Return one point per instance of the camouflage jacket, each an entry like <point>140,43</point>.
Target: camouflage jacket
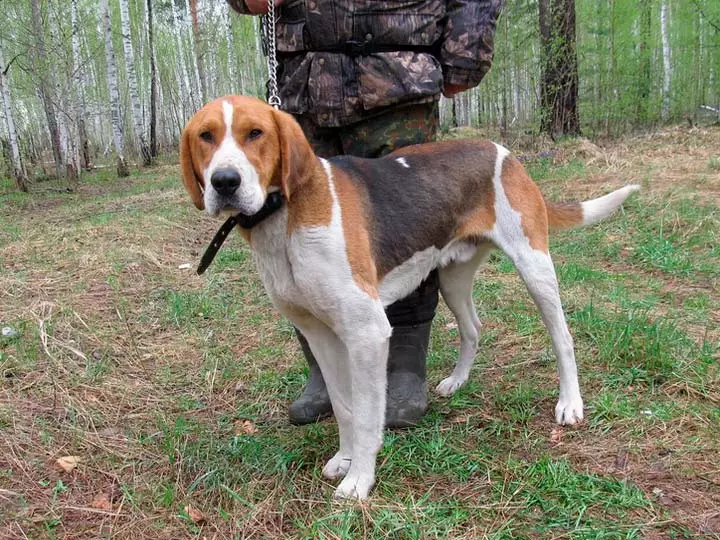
<point>341,61</point>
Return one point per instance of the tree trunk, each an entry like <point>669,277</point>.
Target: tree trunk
<point>116,119</point>
<point>666,60</point>
<point>645,51</point>
<point>559,84</point>
<point>186,92</point>
<point>153,83</point>
<point>79,84</point>
<point>69,153</point>
<point>18,170</point>
<point>132,83</point>
<point>199,55</point>
<point>40,64</point>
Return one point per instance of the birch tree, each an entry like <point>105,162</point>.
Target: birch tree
<point>666,61</point>
<point>133,84</point>
<point>198,50</point>
<point>18,170</point>
<point>79,90</point>
<point>40,72</point>
<point>153,81</point>
<point>115,116</point>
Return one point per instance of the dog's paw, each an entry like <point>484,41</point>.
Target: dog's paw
<point>337,467</point>
<point>355,487</point>
<point>449,386</point>
<point>569,411</point>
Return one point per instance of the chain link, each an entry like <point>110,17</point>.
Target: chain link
<point>268,30</point>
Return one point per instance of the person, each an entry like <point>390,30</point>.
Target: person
<point>363,78</point>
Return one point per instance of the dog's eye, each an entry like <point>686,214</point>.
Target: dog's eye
<point>206,136</point>
<point>254,134</point>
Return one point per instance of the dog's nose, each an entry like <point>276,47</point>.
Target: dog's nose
<point>225,181</point>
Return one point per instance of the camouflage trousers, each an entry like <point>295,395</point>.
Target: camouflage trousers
<point>375,136</point>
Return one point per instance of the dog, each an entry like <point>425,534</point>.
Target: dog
<point>354,235</point>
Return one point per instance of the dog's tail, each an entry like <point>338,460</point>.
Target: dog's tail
<point>566,215</point>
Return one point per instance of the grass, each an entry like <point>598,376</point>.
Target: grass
<point>172,389</point>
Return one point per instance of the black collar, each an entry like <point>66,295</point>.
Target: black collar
<point>272,204</point>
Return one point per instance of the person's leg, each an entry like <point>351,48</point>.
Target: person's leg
<point>411,317</point>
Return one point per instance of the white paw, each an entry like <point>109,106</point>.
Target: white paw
<point>336,467</point>
<point>355,486</point>
<point>449,386</point>
<point>569,411</point>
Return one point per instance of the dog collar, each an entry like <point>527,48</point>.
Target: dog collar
<point>272,204</point>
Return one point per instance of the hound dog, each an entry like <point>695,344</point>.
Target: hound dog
<point>354,235</point>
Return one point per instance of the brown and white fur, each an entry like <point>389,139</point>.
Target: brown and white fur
<point>355,235</point>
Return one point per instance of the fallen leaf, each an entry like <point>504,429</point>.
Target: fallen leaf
<point>245,427</point>
<point>194,514</point>
<point>101,502</point>
<point>459,419</point>
<point>556,436</point>
<point>622,459</point>
<point>68,463</point>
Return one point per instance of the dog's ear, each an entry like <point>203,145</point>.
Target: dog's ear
<point>191,179</point>
<point>297,158</point>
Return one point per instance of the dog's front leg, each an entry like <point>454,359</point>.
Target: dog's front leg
<point>368,351</point>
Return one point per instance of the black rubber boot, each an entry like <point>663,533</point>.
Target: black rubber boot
<point>407,393</point>
<point>411,319</point>
<point>314,404</point>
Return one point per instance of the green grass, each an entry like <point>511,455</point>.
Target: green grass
<point>173,388</point>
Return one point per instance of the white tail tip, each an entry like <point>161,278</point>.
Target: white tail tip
<point>598,209</point>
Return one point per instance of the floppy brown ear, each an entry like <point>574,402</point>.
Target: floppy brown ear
<point>190,178</point>
<point>297,158</point>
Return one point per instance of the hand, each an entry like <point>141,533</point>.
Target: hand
<point>449,90</point>
<point>260,7</point>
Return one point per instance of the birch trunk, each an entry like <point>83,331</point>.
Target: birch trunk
<point>18,170</point>
<point>132,83</point>
<point>186,93</point>
<point>69,153</point>
<point>666,61</point>
<point>197,52</point>
<point>115,117</point>
<point>39,57</point>
<point>153,82</point>
<point>79,88</point>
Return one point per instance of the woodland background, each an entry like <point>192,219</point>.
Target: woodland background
<point>84,81</point>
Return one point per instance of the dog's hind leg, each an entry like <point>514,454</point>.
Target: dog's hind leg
<point>456,285</point>
<point>537,271</point>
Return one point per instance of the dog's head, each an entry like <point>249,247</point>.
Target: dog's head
<point>236,149</point>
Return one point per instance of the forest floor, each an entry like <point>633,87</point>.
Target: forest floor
<point>138,400</point>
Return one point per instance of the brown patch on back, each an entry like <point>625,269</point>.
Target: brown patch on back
<point>482,219</point>
<point>355,230</point>
<point>526,199</point>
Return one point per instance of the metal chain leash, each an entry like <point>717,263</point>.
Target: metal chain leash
<point>268,33</point>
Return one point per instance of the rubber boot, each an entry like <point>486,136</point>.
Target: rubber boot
<point>411,319</point>
<point>314,403</point>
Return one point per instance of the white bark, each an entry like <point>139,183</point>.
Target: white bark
<point>184,86</point>
<point>666,60</point>
<point>68,149</point>
<point>79,91</point>
<point>18,171</point>
<point>136,106</point>
<point>115,117</point>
